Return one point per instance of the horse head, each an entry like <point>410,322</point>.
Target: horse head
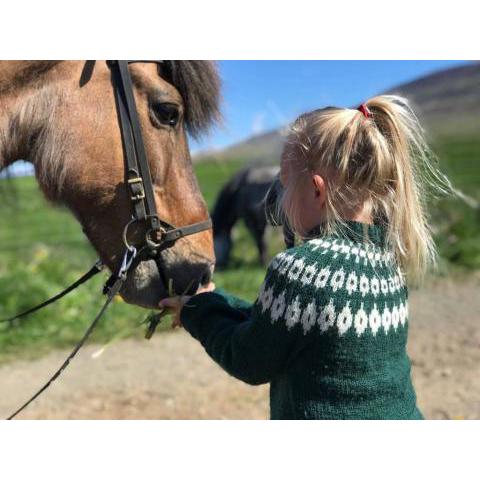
<point>62,117</point>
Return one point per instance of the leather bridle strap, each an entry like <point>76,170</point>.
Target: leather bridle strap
<point>179,232</point>
<point>138,174</point>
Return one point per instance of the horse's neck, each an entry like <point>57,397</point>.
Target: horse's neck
<point>23,119</point>
<point>9,106</point>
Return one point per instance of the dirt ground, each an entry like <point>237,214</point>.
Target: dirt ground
<point>170,377</point>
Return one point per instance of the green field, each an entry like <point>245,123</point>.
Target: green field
<point>42,250</point>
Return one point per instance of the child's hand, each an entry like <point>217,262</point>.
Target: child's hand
<point>175,304</point>
<point>206,288</point>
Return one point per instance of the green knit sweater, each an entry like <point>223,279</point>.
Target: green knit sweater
<point>328,330</point>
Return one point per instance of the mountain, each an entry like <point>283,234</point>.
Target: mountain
<point>263,148</point>
<point>447,103</point>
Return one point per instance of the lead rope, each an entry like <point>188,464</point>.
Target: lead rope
<point>121,276</point>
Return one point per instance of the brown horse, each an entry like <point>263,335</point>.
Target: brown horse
<point>61,117</point>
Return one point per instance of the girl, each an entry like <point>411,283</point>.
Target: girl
<point>328,330</point>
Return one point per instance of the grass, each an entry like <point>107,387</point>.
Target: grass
<point>457,226</point>
<point>42,249</point>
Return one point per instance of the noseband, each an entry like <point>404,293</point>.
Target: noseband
<point>159,235</point>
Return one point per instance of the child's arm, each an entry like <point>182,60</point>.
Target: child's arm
<point>237,303</point>
<point>242,339</point>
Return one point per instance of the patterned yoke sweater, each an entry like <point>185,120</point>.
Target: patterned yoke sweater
<point>328,330</point>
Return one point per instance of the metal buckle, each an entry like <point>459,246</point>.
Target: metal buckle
<point>99,265</point>
<point>128,258</point>
<point>125,233</point>
<point>135,197</point>
<point>154,243</point>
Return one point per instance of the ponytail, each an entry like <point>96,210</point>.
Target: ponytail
<point>375,156</point>
<point>414,177</point>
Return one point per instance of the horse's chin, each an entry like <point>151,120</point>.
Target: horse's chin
<point>144,286</point>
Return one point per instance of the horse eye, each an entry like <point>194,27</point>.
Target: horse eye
<point>166,113</point>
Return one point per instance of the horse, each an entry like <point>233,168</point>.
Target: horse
<point>252,195</point>
<point>61,117</point>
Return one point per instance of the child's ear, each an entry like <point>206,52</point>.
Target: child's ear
<point>320,188</point>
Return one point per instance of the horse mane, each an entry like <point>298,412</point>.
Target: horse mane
<point>198,82</point>
<point>19,74</point>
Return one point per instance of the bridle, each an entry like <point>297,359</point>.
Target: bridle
<point>159,235</point>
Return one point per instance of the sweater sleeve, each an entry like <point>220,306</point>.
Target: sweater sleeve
<point>248,342</point>
<point>237,303</point>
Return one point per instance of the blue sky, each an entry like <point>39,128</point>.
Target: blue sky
<point>262,95</point>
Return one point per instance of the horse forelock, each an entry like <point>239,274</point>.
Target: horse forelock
<point>198,83</point>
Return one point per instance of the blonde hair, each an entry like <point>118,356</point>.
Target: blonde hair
<point>379,160</point>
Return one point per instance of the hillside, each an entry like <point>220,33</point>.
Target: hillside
<point>448,103</point>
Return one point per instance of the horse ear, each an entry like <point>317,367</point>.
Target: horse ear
<point>198,82</point>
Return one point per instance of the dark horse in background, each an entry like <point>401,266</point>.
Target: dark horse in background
<point>251,194</point>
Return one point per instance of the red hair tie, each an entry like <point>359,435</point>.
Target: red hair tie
<point>364,109</point>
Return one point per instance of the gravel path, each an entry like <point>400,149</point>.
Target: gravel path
<point>171,377</point>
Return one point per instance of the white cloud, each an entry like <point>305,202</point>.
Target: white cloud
<point>277,112</point>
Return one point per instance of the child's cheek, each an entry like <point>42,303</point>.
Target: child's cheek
<point>310,214</point>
